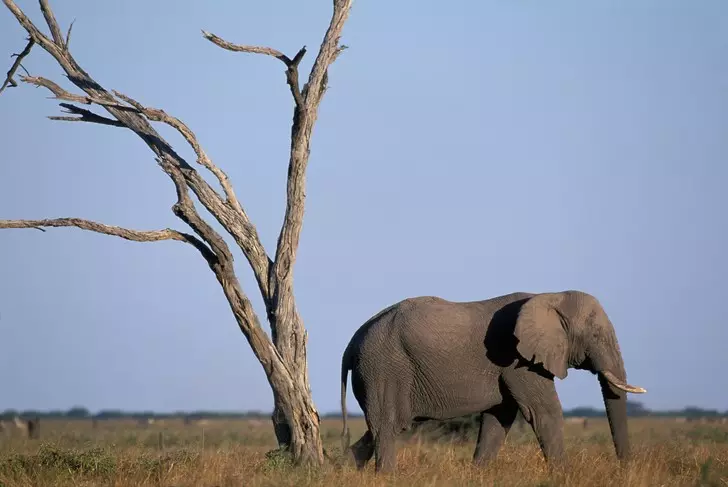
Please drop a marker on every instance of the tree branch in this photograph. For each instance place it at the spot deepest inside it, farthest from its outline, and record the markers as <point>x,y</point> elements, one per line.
<point>68,34</point>
<point>203,159</point>
<point>151,113</point>
<point>85,116</point>
<point>233,221</point>
<point>18,60</point>
<point>185,210</point>
<point>305,114</point>
<point>268,51</point>
<point>223,268</point>
<point>219,259</point>
<point>301,132</point>
<point>61,94</point>
<point>291,64</point>
<point>292,77</point>
<point>328,53</point>
<point>125,233</point>
<point>244,232</point>
<point>36,35</point>
<point>52,23</point>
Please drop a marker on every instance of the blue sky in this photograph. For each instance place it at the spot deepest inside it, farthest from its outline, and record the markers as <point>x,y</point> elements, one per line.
<point>464,149</point>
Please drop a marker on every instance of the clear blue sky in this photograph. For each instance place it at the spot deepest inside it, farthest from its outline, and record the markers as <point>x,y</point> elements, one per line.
<point>464,149</point>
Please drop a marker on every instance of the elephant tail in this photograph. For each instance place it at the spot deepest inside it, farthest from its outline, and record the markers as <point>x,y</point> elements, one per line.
<point>345,437</point>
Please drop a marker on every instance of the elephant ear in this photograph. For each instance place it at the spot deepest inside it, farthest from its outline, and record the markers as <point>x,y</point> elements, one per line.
<point>541,334</point>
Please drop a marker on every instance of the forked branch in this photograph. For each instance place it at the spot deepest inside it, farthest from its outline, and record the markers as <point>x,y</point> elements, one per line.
<point>301,132</point>
<point>157,115</point>
<point>291,64</point>
<point>307,104</point>
<point>85,116</point>
<point>223,269</point>
<point>151,114</point>
<point>185,210</point>
<point>227,211</point>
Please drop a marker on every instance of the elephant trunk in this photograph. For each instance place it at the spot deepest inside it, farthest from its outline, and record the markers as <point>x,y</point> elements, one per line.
<point>613,381</point>
<point>615,402</point>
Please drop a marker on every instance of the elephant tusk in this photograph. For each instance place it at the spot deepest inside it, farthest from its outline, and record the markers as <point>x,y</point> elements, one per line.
<point>621,385</point>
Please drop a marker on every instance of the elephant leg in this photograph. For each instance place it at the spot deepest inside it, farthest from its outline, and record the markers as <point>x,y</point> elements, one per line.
<point>389,413</point>
<point>363,450</point>
<point>385,451</point>
<point>539,403</point>
<point>548,426</point>
<point>494,426</point>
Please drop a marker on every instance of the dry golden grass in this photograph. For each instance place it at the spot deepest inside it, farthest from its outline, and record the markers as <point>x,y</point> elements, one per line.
<point>223,453</point>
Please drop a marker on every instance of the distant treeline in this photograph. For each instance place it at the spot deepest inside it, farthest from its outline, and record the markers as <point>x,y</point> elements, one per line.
<point>634,409</point>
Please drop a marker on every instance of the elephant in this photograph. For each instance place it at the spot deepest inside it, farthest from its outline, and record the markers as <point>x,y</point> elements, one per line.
<point>427,358</point>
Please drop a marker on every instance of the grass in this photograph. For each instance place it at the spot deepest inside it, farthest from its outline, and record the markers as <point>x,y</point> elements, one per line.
<point>227,453</point>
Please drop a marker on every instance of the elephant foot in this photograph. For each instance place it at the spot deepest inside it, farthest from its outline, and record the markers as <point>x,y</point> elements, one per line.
<point>386,453</point>
<point>361,451</point>
<point>556,464</point>
<point>482,461</point>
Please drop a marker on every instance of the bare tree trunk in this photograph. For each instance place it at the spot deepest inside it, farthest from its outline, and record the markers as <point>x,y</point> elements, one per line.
<point>297,427</point>
<point>283,355</point>
<point>294,353</point>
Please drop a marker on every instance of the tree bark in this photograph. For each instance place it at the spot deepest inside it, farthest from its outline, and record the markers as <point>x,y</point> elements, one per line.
<point>293,351</point>
<point>283,355</point>
<point>296,422</point>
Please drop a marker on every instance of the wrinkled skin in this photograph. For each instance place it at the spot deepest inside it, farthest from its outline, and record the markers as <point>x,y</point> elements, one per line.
<point>429,358</point>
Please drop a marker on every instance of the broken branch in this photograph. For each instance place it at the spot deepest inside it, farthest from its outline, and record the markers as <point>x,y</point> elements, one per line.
<point>292,77</point>
<point>268,51</point>
<point>18,59</point>
<point>68,34</point>
<point>85,116</point>
<point>291,64</point>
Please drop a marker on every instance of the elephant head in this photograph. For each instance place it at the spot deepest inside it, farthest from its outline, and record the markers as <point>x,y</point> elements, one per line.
<point>571,330</point>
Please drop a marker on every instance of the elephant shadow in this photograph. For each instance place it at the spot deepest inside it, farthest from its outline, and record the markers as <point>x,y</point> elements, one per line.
<point>500,341</point>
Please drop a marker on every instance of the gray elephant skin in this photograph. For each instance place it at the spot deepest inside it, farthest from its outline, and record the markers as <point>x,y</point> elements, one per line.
<point>429,358</point>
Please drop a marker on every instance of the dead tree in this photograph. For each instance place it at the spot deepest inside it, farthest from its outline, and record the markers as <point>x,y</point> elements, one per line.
<point>283,354</point>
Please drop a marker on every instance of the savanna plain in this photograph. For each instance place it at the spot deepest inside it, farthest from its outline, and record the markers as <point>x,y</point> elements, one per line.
<point>238,452</point>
